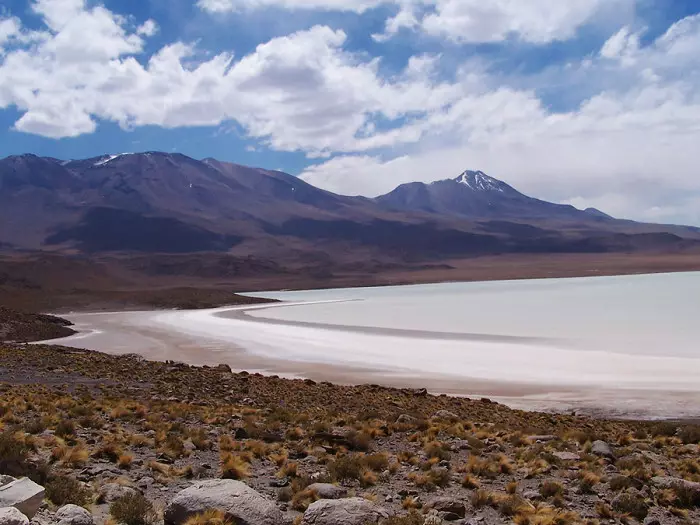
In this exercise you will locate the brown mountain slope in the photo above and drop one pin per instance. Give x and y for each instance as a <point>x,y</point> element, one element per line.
<point>169,203</point>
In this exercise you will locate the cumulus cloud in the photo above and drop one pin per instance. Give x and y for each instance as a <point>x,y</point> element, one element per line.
<point>223,6</point>
<point>300,92</point>
<point>536,21</point>
<point>627,148</point>
<point>632,130</point>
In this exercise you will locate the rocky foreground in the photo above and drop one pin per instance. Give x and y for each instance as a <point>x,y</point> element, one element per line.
<point>89,438</point>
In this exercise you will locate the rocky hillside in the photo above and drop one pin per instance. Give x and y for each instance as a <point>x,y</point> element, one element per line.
<point>154,202</point>
<point>22,327</point>
<point>108,439</point>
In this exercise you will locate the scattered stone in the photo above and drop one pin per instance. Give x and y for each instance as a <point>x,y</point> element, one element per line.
<point>145,482</point>
<point>447,505</point>
<point>110,492</point>
<point>566,456</point>
<point>240,503</point>
<point>543,439</point>
<point>532,495</point>
<point>445,415</point>
<point>328,490</point>
<point>73,515</point>
<point>12,516</point>
<point>23,494</point>
<point>668,482</point>
<point>279,482</point>
<point>603,449</point>
<point>350,511</point>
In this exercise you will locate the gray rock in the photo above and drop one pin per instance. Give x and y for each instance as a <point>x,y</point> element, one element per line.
<point>543,439</point>
<point>23,494</point>
<point>12,516</point>
<point>566,456</point>
<point>532,495</point>
<point>145,482</point>
<point>445,415</point>
<point>601,448</point>
<point>668,482</point>
<point>351,511</point>
<point>447,505</point>
<point>406,419</point>
<point>73,515</point>
<point>110,492</point>
<point>328,491</point>
<point>240,503</point>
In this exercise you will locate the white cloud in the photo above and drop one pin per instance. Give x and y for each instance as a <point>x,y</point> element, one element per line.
<point>9,28</point>
<point>629,148</point>
<point>536,21</point>
<point>223,6</point>
<point>634,130</point>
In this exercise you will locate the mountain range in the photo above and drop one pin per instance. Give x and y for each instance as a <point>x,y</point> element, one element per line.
<point>169,203</point>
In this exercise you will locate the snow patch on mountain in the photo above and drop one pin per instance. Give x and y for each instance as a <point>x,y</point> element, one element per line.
<point>479,181</point>
<point>109,158</point>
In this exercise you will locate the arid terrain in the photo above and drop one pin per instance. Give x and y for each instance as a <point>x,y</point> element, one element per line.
<point>123,437</point>
<point>53,282</point>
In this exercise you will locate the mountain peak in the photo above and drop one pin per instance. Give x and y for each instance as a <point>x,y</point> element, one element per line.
<point>479,181</point>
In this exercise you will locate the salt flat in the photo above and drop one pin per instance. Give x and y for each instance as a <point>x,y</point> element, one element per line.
<point>620,345</point>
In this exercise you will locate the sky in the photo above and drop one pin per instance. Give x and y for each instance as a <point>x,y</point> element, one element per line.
<point>586,102</point>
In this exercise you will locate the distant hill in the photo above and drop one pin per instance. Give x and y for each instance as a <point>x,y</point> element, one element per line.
<point>475,195</point>
<point>156,202</point>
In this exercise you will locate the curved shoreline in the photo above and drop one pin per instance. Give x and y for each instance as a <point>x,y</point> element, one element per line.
<point>232,336</point>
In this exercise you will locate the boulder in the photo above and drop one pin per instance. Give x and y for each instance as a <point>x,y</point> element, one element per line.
<point>543,439</point>
<point>601,448</point>
<point>350,511</point>
<point>328,491</point>
<point>22,494</point>
<point>405,419</point>
<point>445,415</point>
<point>240,503</point>
<point>566,456</point>
<point>110,492</point>
<point>447,505</point>
<point>73,515</point>
<point>12,516</point>
<point>668,482</point>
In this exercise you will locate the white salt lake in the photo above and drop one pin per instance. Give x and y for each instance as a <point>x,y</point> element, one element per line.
<point>624,346</point>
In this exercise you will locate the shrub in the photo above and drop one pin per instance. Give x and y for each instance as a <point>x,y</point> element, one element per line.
<point>690,435</point>
<point>587,480</point>
<point>13,455</point>
<point>34,426</point>
<point>481,498</point>
<point>686,496</point>
<point>377,462</point>
<point>618,483</point>
<point>346,468</point>
<point>358,440</point>
<point>62,490</point>
<point>234,467</point>
<point>133,509</point>
<point>65,428</point>
<point>210,517</point>
<point>631,504</point>
<point>551,488</point>
<point>412,518</point>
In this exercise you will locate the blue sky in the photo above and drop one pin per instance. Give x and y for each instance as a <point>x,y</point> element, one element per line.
<point>589,102</point>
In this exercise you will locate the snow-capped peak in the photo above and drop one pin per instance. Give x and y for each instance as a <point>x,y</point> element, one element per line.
<point>479,181</point>
<point>109,158</point>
